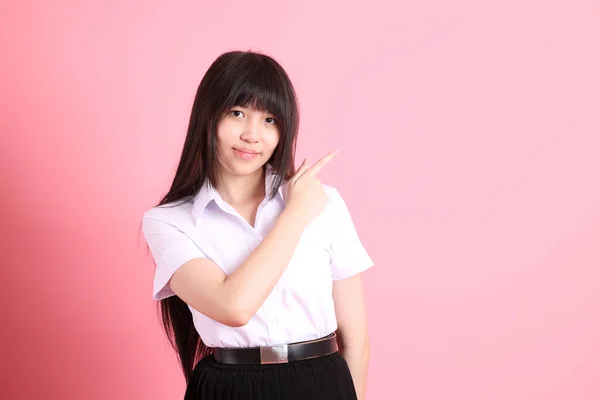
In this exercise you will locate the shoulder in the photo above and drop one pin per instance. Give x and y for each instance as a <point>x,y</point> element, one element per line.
<point>177,214</point>
<point>336,208</point>
<point>329,189</point>
<point>334,199</point>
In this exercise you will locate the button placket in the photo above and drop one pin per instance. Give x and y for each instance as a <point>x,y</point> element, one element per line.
<point>275,330</point>
<point>273,321</point>
<point>254,237</point>
<point>266,307</point>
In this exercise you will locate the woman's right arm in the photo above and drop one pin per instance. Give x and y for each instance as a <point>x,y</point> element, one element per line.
<point>232,300</point>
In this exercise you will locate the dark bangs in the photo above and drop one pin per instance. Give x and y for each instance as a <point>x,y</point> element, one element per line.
<point>260,86</point>
<point>254,80</point>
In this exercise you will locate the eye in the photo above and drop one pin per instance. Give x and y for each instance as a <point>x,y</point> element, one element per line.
<point>236,113</point>
<point>271,120</point>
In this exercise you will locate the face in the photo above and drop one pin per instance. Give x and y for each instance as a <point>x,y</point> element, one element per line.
<point>246,139</point>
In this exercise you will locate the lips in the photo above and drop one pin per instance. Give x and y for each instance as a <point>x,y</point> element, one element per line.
<point>245,154</point>
<point>246,151</point>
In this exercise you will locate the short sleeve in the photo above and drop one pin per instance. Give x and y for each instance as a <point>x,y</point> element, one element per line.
<point>170,248</point>
<point>348,255</point>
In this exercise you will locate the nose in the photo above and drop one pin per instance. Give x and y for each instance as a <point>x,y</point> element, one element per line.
<point>252,130</point>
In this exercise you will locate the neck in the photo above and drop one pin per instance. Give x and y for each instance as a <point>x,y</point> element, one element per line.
<point>239,190</point>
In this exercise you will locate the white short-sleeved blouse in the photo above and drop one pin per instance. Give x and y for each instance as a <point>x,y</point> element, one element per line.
<point>300,307</point>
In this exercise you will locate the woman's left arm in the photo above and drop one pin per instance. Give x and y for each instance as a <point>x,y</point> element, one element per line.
<point>353,339</point>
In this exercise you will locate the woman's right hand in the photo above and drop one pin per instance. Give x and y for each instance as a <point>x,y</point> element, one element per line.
<point>306,197</point>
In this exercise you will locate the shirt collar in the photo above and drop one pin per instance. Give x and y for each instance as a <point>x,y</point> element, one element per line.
<point>207,194</point>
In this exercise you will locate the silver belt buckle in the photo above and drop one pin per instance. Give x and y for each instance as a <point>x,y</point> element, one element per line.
<point>274,354</point>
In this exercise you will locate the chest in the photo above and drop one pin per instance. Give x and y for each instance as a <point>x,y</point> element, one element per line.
<point>228,239</point>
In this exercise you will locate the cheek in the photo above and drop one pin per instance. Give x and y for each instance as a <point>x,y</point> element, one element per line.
<point>219,132</point>
<point>273,139</point>
<point>223,134</point>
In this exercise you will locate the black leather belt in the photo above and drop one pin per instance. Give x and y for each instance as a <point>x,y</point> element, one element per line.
<point>277,354</point>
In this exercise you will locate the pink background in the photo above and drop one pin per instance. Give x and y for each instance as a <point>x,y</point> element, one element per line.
<point>469,138</point>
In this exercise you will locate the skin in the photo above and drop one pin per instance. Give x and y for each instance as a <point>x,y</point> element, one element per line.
<point>232,300</point>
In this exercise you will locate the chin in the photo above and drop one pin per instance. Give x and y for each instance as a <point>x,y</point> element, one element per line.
<point>239,168</point>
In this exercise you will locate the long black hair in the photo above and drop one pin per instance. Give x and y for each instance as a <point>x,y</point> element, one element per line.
<point>237,78</point>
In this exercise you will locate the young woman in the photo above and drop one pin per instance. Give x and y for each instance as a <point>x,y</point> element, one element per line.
<point>257,264</point>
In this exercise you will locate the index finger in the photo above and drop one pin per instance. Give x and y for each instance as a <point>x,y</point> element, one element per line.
<point>314,170</point>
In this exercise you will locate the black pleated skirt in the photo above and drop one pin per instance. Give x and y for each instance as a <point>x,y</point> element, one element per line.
<point>326,378</point>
